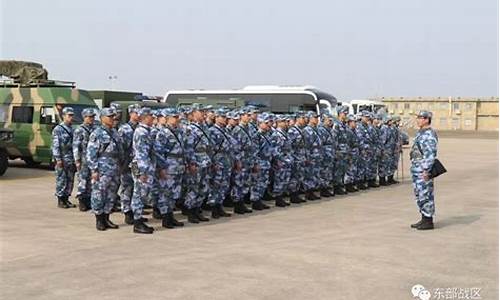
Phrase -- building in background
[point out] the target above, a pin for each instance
(450, 113)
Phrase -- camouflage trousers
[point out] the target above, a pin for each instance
(424, 193)
(298, 174)
(384, 165)
(142, 190)
(169, 192)
(341, 165)
(104, 193)
(84, 183)
(281, 177)
(155, 192)
(351, 174)
(327, 171)
(197, 185)
(126, 189)
(260, 180)
(65, 177)
(364, 162)
(221, 179)
(395, 162)
(311, 178)
(372, 168)
(241, 183)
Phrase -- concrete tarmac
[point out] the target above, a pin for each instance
(358, 246)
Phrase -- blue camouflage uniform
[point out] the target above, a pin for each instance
(81, 137)
(104, 156)
(329, 151)
(197, 147)
(351, 175)
(366, 151)
(282, 162)
(314, 150)
(342, 150)
(297, 139)
(62, 150)
(246, 151)
(143, 165)
(264, 155)
(422, 155)
(386, 142)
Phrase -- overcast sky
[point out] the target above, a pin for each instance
(352, 48)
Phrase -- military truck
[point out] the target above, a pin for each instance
(6, 143)
(32, 107)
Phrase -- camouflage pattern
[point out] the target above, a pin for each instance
(264, 155)
(197, 147)
(81, 137)
(104, 156)
(314, 148)
(373, 164)
(170, 156)
(297, 139)
(342, 151)
(23, 72)
(328, 160)
(385, 165)
(126, 133)
(365, 150)
(282, 162)
(143, 168)
(246, 150)
(62, 150)
(353, 163)
(33, 139)
(223, 161)
(422, 155)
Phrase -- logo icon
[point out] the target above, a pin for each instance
(421, 292)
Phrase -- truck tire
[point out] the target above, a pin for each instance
(4, 162)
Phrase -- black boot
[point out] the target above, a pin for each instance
(129, 217)
(191, 214)
(311, 196)
(280, 202)
(382, 182)
(166, 222)
(350, 188)
(427, 224)
(339, 190)
(156, 213)
(325, 193)
(373, 183)
(222, 212)
(258, 205)
(215, 212)
(82, 204)
(228, 202)
(268, 196)
(100, 223)
(199, 215)
(61, 203)
(176, 223)
(241, 208)
(418, 223)
(247, 198)
(108, 222)
(68, 203)
(295, 198)
(390, 180)
(362, 185)
(140, 227)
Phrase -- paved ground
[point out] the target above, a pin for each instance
(353, 247)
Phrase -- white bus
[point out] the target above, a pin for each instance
(356, 106)
(277, 99)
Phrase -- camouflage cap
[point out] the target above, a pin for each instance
(263, 117)
(351, 117)
(220, 112)
(311, 114)
(108, 112)
(342, 109)
(233, 115)
(145, 111)
(88, 112)
(134, 108)
(281, 118)
(117, 107)
(196, 107)
(252, 109)
(169, 112)
(68, 111)
(425, 114)
(365, 113)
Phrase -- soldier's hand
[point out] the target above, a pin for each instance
(59, 164)
(163, 174)
(237, 166)
(78, 165)
(255, 169)
(192, 168)
(426, 176)
(95, 176)
(143, 178)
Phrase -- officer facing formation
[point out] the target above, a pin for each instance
(191, 158)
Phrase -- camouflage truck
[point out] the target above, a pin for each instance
(32, 108)
(6, 143)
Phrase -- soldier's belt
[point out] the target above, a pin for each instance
(175, 155)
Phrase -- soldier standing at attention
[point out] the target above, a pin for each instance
(342, 151)
(296, 136)
(80, 141)
(116, 125)
(314, 149)
(282, 162)
(126, 133)
(62, 152)
(351, 173)
(423, 153)
(143, 168)
(104, 155)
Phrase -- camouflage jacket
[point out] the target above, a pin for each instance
(352, 141)
(365, 141)
(81, 137)
(197, 145)
(126, 132)
(245, 142)
(143, 148)
(169, 150)
(327, 140)
(104, 151)
(424, 150)
(297, 139)
(282, 145)
(314, 144)
(339, 132)
(265, 148)
(62, 143)
(222, 141)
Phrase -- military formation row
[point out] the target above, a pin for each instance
(215, 158)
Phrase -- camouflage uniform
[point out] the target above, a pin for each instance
(314, 150)
(329, 152)
(264, 155)
(397, 148)
(62, 150)
(169, 149)
(386, 157)
(126, 133)
(246, 155)
(297, 139)
(282, 162)
(197, 146)
(104, 156)
(143, 164)
(366, 151)
(351, 175)
(223, 161)
(423, 153)
(80, 141)
(376, 150)
(342, 152)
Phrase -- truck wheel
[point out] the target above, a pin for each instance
(30, 162)
(4, 162)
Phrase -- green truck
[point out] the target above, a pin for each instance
(32, 107)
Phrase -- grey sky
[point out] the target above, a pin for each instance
(353, 49)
